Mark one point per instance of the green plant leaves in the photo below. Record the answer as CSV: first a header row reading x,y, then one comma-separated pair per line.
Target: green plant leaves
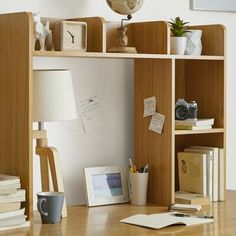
x,y
178,27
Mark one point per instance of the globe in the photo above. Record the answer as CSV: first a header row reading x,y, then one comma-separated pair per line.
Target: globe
x,y
125,7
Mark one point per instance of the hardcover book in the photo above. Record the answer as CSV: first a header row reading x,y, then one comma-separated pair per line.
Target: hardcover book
x,y
215,168
195,122
8,179
191,198
192,172
209,163
19,196
191,127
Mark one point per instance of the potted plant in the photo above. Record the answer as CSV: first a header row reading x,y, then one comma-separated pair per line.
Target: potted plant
x,y
178,41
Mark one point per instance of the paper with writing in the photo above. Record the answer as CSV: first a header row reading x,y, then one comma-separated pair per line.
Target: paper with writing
x,y
149,106
90,112
157,122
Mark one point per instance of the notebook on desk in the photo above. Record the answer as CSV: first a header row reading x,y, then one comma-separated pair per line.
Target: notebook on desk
x,y
159,221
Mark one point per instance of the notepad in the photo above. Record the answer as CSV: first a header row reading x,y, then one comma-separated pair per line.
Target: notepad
x,y
159,221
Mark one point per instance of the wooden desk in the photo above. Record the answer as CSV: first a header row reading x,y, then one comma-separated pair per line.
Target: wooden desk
x,y
104,221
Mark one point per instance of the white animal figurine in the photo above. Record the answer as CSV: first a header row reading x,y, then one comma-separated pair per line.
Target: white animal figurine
x,y
42,33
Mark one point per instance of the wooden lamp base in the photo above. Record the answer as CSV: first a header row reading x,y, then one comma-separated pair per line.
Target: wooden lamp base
x,y
123,50
49,159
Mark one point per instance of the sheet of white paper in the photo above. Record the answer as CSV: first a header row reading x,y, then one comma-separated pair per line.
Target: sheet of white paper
x,y
149,106
157,122
158,221
90,112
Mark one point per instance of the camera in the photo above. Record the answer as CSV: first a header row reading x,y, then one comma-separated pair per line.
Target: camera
x,y
185,110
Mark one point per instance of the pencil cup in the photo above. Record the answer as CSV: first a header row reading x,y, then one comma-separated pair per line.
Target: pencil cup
x,y
138,188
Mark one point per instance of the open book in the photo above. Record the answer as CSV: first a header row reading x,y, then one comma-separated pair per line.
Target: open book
x,y
158,221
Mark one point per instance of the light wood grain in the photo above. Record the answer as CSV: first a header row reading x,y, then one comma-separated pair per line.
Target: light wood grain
x,y
49,158
39,134
120,55
204,81
200,78
105,221
96,33
16,100
154,78
208,131
150,37
213,39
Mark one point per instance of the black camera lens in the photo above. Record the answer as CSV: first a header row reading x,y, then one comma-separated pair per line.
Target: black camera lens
x,y
181,112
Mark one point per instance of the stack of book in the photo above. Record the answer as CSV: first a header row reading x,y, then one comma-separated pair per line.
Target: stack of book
x,y
201,171
11,196
191,198
194,124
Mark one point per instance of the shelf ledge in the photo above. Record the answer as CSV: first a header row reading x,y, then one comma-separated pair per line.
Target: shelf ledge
x,y
206,131
121,55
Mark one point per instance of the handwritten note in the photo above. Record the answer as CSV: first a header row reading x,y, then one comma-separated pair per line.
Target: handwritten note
x,y
90,112
149,106
157,122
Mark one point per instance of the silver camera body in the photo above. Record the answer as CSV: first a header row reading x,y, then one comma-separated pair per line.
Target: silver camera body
x,y
185,110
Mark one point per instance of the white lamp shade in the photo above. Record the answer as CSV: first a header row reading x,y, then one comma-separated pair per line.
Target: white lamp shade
x,y
54,98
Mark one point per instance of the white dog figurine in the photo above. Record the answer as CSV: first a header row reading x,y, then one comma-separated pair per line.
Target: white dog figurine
x,y
42,33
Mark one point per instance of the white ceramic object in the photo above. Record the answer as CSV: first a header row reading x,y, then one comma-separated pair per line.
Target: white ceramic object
x,y
178,45
138,188
194,43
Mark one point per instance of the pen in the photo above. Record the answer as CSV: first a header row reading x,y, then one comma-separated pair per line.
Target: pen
x,y
130,162
130,170
145,168
198,216
131,165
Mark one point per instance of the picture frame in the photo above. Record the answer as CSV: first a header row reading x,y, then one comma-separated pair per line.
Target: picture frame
x,y
214,5
105,185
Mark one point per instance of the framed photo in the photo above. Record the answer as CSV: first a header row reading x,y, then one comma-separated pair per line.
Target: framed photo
x,y
214,5
105,185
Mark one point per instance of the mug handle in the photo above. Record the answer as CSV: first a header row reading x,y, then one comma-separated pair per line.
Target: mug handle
x,y
39,206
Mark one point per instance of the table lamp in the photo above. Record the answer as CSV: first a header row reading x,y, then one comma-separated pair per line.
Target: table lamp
x,y
53,100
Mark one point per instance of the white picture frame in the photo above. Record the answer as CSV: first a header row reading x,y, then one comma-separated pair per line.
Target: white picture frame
x,y
214,5
105,185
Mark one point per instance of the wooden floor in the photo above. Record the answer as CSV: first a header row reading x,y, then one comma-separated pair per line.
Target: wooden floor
x,y
104,221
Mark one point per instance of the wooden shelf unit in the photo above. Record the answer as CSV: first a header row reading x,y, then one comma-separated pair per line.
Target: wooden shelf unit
x,y
156,73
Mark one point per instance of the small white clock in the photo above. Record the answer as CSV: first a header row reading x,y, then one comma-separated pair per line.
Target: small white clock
x,y
73,35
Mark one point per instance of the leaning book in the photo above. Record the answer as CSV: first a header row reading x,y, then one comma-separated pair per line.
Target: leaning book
x,y
192,172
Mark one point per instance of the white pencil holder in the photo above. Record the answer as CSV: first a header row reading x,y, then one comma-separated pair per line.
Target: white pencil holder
x,y
138,188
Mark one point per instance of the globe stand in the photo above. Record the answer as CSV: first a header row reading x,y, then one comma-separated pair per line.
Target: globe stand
x,y
123,39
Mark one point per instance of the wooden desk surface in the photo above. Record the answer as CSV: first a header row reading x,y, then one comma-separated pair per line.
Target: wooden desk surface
x,y
104,221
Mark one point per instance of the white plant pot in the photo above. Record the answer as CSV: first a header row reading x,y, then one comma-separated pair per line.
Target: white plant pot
x,y
194,43
178,45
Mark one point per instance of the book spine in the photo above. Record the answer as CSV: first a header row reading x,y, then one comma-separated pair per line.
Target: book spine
x,y
204,179
221,175
210,176
215,175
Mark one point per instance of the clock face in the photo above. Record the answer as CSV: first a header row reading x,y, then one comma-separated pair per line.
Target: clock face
x,y
74,36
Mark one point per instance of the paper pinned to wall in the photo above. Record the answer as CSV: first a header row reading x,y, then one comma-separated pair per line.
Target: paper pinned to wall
x,y
157,122
90,112
149,106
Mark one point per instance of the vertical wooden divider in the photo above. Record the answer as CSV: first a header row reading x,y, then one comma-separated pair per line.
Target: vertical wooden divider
x,y
16,100
154,77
